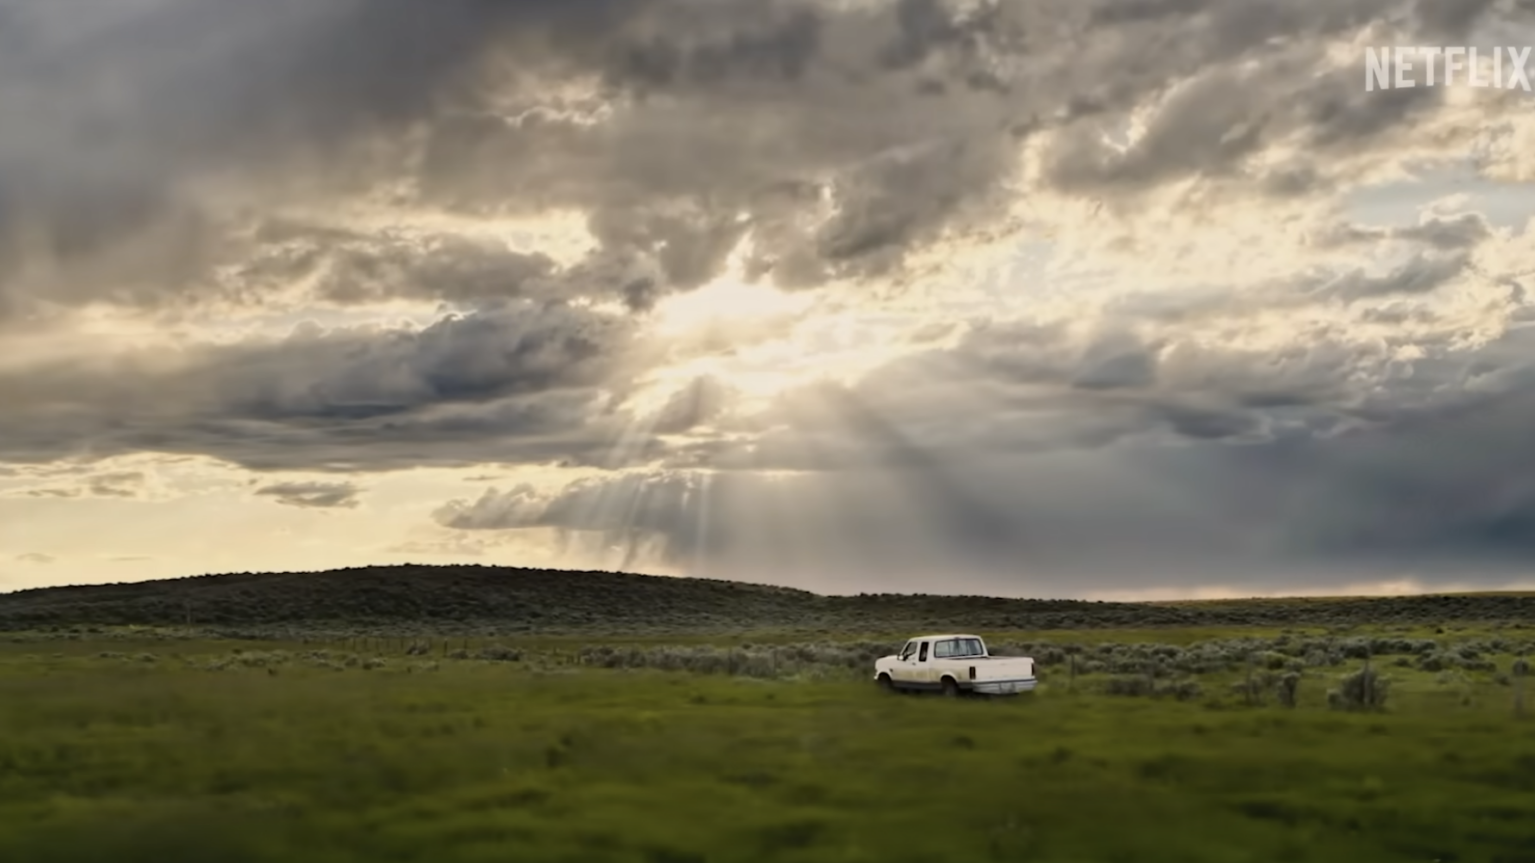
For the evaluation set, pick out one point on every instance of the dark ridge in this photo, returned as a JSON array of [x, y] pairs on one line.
[[446, 598]]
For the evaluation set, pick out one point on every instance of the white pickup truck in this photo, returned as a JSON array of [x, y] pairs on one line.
[[954, 664]]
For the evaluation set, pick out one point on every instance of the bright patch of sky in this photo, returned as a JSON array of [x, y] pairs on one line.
[[1401, 204]]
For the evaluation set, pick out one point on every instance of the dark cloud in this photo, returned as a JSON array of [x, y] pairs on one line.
[[1442, 492], [150, 144], [120, 484], [698, 402], [629, 512], [65, 493], [1213, 124], [494, 510], [116, 484], [1421, 275], [1458, 232], [1117, 361], [1146, 10], [313, 495], [356, 267], [1452, 18], [530, 381], [1442, 233], [207, 90]]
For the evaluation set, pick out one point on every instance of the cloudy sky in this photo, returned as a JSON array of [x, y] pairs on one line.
[[1098, 298]]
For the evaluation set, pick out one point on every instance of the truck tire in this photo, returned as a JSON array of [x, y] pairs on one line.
[[885, 683], [950, 688]]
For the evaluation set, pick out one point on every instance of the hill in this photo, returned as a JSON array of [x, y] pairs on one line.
[[456, 598]]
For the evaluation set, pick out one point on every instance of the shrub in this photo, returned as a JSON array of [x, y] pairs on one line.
[[1433, 662], [1144, 687], [1253, 687], [1134, 687], [1357, 648], [1183, 690], [1287, 689], [1362, 690], [1446, 678]]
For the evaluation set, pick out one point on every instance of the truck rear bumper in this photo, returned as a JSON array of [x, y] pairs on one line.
[[1004, 687]]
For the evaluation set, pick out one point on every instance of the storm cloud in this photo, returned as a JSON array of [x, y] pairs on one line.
[[151, 147], [143, 131], [1444, 495], [312, 495], [522, 372]]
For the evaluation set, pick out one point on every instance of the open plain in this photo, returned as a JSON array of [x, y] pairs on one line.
[[371, 738]]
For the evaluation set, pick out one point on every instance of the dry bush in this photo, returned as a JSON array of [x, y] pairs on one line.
[[1287, 690], [1147, 687], [1361, 690]]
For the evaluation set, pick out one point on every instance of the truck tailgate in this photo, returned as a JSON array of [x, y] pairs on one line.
[[1003, 668], [1003, 676]]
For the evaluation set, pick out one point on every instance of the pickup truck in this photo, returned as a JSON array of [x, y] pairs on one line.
[[954, 664]]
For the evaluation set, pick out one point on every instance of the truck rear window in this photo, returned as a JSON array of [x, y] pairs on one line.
[[954, 648]]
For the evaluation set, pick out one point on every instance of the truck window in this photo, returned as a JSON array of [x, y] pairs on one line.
[[907, 650], [969, 647], [922, 653], [944, 649]]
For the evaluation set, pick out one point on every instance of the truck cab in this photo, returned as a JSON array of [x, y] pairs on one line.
[[954, 665]]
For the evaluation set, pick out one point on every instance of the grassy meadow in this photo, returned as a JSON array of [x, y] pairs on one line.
[[1229, 745]]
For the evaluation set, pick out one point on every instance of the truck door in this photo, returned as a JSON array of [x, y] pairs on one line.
[[943, 659], [923, 672], [904, 669]]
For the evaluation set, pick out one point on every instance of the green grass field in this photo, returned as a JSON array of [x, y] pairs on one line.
[[200, 753]]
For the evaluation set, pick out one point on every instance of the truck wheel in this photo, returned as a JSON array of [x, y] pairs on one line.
[[885, 683], [950, 688]]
